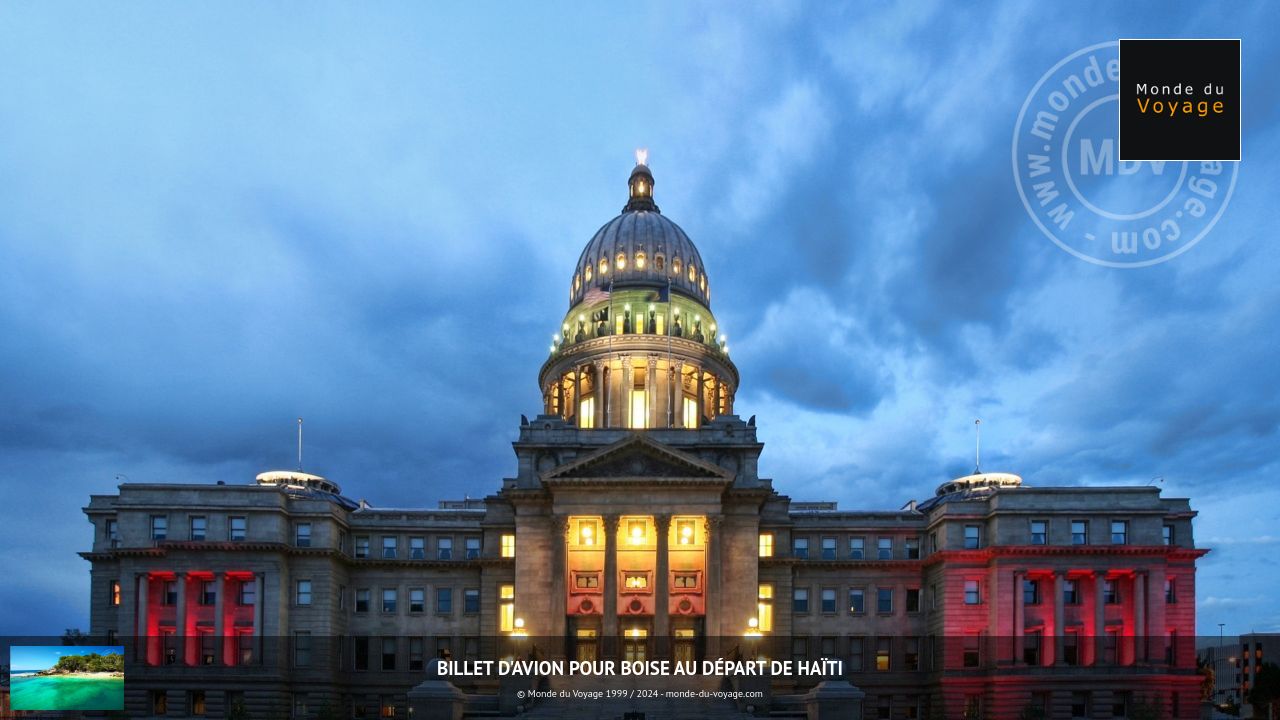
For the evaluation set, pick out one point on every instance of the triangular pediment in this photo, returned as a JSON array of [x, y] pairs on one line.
[[637, 457]]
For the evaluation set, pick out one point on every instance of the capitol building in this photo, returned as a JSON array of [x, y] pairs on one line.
[[636, 526]]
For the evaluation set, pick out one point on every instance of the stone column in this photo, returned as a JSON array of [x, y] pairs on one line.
[[258, 602], [626, 379], [141, 628], [651, 392], [559, 568], [661, 589], [1059, 634], [180, 624], [577, 395], [1142, 640], [600, 391], [219, 639], [1099, 616], [559, 396], [609, 624], [677, 395], [714, 591], [1019, 616], [702, 395]]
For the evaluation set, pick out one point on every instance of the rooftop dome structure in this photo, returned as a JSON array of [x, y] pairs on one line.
[[639, 347]]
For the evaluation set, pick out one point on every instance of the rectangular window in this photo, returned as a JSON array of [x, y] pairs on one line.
[[361, 653], [828, 600], [884, 707], [248, 592], [972, 650], [303, 535], [800, 600], [587, 413], [1030, 591], [764, 606], [972, 594], [301, 649], [828, 548], [766, 544], [170, 593], [586, 580], [1071, 648], [390, 545], [159, 527], [362, 546], [389, 598], [913, 600], [972, 537], [1110, 594], [913, 548], [1171, 648], [800, 548], [113, 592], [471, 600], [1167, 534], [857, 548], [882, 654], [1070, 593], [362, 600], [1170, 591], [196, 702], [855, 654], [506, 608], [113, 532], [686, 581], [237, 528], [417, 548], [417, 653], [933, 542], [857, 601], [635, 581], [799, 648], [1079, 532], [690, 413], [884, 548], [472, 548], [198, 527], [911, 653], [342, 597], [444, 600], [508, 546], [444, 548], [884, 600], [1031, 648], [304, 592], [1120, 704], [388, 654], [159, 702], [208, 592], [1039, 532], [1119, 532], [827, 647], [417, 600], [1079, 705]]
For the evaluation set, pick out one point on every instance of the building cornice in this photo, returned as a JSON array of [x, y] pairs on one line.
[[986, 555]]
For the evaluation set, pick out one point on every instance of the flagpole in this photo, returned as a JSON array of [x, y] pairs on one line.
[[671, 409]]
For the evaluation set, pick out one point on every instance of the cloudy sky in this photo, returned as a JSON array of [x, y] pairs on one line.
[[215, 219]]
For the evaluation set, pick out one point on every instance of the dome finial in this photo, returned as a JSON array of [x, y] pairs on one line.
[[640, 196]]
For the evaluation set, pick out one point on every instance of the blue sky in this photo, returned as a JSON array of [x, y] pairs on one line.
[[215, 219], [43, 657]]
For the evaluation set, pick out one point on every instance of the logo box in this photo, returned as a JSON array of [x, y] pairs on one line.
[[1179, 100]]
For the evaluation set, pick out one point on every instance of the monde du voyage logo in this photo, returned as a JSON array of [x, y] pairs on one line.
[[1107, 198]]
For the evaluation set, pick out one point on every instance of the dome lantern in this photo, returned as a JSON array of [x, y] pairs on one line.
[[640, 185]]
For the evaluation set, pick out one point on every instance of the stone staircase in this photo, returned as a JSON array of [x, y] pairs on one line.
[[659, 708]]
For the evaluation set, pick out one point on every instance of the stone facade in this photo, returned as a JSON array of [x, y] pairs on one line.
[[637, 526]]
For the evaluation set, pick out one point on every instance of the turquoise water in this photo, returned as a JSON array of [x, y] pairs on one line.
[[66, 693]]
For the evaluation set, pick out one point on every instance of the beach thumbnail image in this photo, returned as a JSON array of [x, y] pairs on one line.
[[60, 677]]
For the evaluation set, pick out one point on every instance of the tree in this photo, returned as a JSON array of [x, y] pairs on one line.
[[1266, 687], [73, 636], [1208, 679]]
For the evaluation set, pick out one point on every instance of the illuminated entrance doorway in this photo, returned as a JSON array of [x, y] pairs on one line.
[[635, 645], [586, 645], [685, 650]]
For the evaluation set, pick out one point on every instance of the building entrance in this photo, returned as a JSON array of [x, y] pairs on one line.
[[586, 645]]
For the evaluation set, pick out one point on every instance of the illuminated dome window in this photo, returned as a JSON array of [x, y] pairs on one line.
[[622, 261], [703, 283], [659, 262], [675, 266], [693, 273], [604, 266], [587, 272], [640, 260]]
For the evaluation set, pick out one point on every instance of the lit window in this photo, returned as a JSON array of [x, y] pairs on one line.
[[640, 260], [675, 266], [604, 266], [686, 581], [586, 532], [635, 581], [684, 532], [586, 581], [659, 262], [587, 273], [622, 261], [587, 413], [765, 607], [882, 654], [690, 413], [506, 608], [766, 544], [639, 408], [115, 592], [508, 546], [637, 532], [693, 273]]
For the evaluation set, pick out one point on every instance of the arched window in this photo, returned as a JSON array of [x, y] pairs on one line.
[[659, 262], [577, 282], [693, 273], [604, 267], [640, 259], [675, 266], [703, 282], [587, 272], [622, 261]]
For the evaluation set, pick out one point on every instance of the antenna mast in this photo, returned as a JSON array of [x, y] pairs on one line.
[[299, 444], [977, 448]]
